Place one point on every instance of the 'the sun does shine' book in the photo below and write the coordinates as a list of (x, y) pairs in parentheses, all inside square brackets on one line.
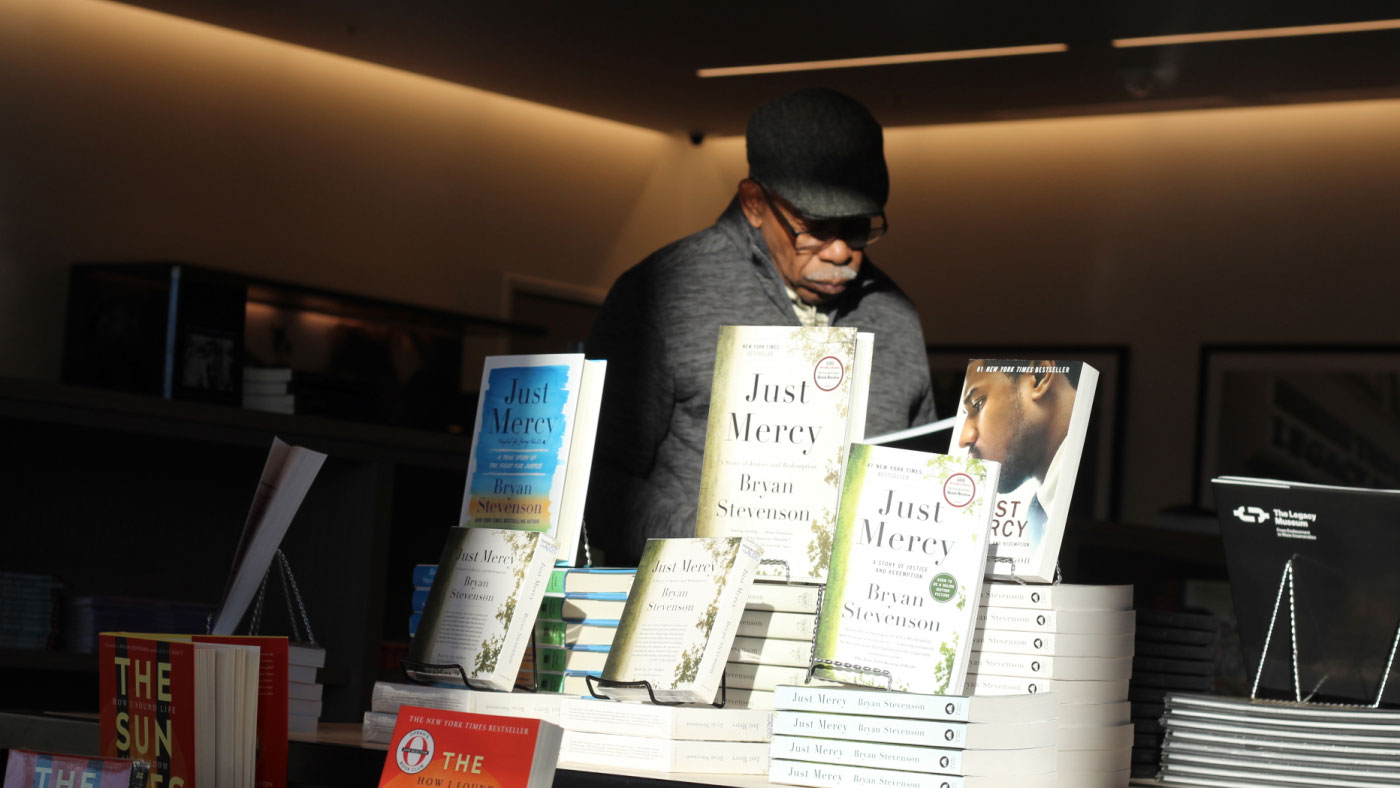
[(532, 447), (784, 404), (680, 618), (907, 568)]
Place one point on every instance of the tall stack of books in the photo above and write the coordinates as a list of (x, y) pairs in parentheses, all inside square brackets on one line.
[(31, 604), (773, 644), (388, 697), (640, 736), (576, 626), (1075, 641), (1174, 652), (1212, 740), (836, 738), (423, 575)]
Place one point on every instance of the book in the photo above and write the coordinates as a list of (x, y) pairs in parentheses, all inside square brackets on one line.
[(440, 747), (777, 597), (1066, 691), (992, 663), (30, 769), (531, 705), (777, 653), (663, 755), (388, 696), (286, 476), (1053, 644), (1083, 622), (906, 569), (423, 575), (572, 684), (587, 579), (782, 407), (905, 705), (583, 610), (680, 618), (532, 445), (377, 727), (1062, 596), (275, 694), (934, 760), (704, 723), (778, 626), (481, 610), (559, 660), (1333, 535), (1031, 416), (572, 633), (188, 709), (928, 733), (827, 775)]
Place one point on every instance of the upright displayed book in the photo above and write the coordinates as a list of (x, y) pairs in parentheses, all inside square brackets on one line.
[(906, 570), (784, 404), (481, 609), (187, 708), (453, 748), (680, 618), (1031, 416), (532, 445), (1339, 541), (286, 476)]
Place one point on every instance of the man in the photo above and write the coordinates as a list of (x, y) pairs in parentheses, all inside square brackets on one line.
[(1020, 419), (789, 250)]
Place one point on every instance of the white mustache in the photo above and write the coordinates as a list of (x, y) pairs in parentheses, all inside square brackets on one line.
[(833, 276)]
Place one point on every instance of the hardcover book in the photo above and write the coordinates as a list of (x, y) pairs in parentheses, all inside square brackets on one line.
[(452, 748), (681, 617), (532, 445), (481, 609), (906, 570), (1031, 416), (782, 410)]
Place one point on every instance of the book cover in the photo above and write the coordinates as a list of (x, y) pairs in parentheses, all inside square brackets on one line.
[(149, 707), (1031, 416), (681, 617), (436, 747), (482, 606), (775, 442), (906, 570), (532, 447), (29, 769)]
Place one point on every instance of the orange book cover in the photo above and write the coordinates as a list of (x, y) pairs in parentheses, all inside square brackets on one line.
[(453, 749), (148, 705), (271, 770)]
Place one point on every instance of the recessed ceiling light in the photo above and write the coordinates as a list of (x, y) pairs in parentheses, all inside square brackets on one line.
[(1266, 32), (881, 60)]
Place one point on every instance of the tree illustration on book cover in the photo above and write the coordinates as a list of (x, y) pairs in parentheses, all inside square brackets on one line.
[(521, 546), (775, 442), (910, 552)]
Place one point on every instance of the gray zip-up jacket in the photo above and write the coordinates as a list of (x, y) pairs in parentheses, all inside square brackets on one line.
[(658, 330)]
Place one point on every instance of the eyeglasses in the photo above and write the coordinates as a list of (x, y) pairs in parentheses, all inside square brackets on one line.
[(817, 233)]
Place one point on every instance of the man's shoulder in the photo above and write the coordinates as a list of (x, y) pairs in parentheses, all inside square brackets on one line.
[(706, 258)]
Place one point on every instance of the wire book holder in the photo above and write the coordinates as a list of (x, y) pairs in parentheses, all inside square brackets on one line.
[(814, 663), (1287, 580), (290, 593), (410, 667), (596, 683), (1013, 577)]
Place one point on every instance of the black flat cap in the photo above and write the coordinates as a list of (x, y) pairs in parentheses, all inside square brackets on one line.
[(822, 151)]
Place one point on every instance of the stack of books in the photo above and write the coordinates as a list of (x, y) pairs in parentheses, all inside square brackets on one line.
[(1229, 741), (89, 615), (836, 738), (576, 626), (303, 688), (269, 389), (388, 697), (695, 739), (773, 643), (1075, 641), (31, 603), (1174, 652)]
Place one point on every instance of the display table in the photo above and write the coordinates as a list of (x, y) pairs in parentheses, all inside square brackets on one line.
[(335, 756)]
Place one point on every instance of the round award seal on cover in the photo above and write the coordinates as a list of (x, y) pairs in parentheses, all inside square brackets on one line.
[(959, 490), (828, 373), (414, 751)]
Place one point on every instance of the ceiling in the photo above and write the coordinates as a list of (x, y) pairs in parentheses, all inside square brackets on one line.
[(636, 62)]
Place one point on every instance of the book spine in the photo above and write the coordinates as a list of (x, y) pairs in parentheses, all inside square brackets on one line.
[(787, 653), (952, 708), (1031, 595), (781, 626), (821, 775), (870, 729), (887, 756), (1012, 642), (387, 697), (521, 627), (739, 725)]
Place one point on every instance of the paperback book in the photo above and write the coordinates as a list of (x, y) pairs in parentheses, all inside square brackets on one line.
[(680, 618), (906, 570), (481, 609), (1031, 416), (532, 445), (783, 407)]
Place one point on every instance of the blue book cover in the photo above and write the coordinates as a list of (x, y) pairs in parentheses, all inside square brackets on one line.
[(423, 575)]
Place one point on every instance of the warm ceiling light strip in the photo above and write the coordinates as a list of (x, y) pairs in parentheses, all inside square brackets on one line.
[(881, 60), (1267, 32)]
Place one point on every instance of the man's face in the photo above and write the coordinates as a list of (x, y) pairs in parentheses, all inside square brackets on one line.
[(817, 272), (996, 427)]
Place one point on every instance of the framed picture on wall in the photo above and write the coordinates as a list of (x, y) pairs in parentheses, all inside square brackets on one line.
[(1312, 413), (1096, 494)]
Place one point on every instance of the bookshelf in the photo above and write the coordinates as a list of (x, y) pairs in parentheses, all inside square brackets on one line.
[(130, 495)]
